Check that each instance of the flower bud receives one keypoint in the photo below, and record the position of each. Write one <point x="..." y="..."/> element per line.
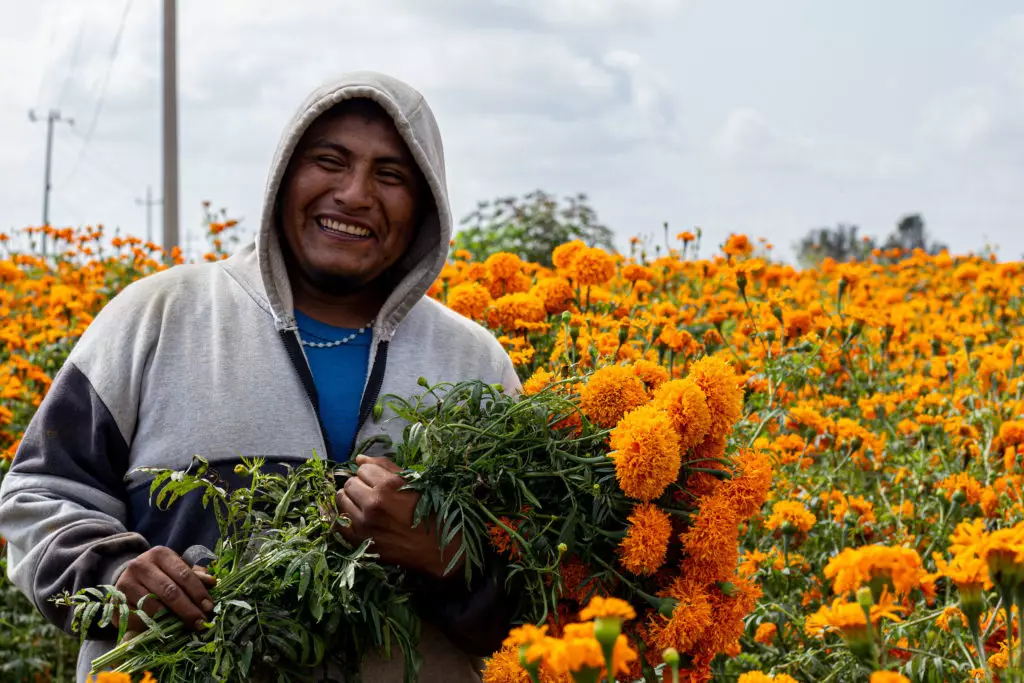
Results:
<point x="741" y="282"/>
<point x="959" y="497"/>
<point x="671" y="657"/>
<point x="864" y="598"/>
<point x="566" y="317"/>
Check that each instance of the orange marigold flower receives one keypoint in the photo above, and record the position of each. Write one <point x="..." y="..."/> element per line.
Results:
<point x="721" y="386"/>
<point x="738" y="245"/>
<point x="690" y="618"/>
<point x="603" y="608"/>
<point x="749" y="486"/>
<point x="793" y="512"/>
<point x="760" y="677"/>
<point x="538" y="381"/>
<point x="556" y="293"/>
<point x="503" y="265"/>
<point x="632" y="272"/>
<point x="592" y="266"/>
<point x="469" y="299"/>
<point x="687" y="405"/>
<point x="888" y="677"/>
<point x="650" y="373"/>
<point x="1011" y="433"/>
<point x="765" y="633"/>
<point x="646" y="543"/>
<point x="517" y="311"/>
<point x="610" y="393"/>
<point x="564" y="254"/>
<point x="899" y="568"/>
<point x="645" y="449"/>
<point x="713" y="535"/>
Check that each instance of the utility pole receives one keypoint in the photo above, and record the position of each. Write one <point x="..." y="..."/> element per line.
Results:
<point x="148" y="202"/>
<point x="170" y="127"/>
<point x="53" y="116"/>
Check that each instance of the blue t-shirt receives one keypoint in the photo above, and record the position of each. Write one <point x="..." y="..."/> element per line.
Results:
<point x="339" y="373"/>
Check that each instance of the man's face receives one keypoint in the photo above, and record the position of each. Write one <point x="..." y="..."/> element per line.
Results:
<point x="351" y="201"/>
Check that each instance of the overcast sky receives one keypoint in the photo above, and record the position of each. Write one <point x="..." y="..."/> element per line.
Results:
<point x="768" y="118"/>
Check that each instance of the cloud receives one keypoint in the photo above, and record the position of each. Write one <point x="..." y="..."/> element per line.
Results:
<point x="749" y="140"/>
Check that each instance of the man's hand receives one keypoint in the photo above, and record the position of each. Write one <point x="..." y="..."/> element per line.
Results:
<point x="379" y="510"/>
<point x="176" y="585"/>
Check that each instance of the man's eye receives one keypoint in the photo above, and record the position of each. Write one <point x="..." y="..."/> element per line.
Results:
<point x="329" y="161"/>
<point x="392" y="177"/>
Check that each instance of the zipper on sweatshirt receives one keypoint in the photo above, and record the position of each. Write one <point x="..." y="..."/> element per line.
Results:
<point x="372" y="391"/>
<point x="294" y="348"/>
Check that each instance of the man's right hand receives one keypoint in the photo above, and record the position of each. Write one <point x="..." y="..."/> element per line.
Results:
<point x="176" y="585"/>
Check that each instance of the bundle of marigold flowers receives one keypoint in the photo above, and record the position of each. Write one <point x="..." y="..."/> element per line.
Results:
<point x="615" y="482"/>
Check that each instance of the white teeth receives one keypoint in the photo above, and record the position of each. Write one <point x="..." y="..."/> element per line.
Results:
<point x="344" y="228"/>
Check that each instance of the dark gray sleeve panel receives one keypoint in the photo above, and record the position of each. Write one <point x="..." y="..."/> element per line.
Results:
<point x="63" y="503"/>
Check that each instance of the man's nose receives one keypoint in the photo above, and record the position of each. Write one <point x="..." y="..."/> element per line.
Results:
<point x="354" y="190"/>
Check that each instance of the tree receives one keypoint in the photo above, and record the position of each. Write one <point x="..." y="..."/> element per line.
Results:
<point x="910" y="234"/>
<point x="840" y="243"/>
<point x="531" y="227"/>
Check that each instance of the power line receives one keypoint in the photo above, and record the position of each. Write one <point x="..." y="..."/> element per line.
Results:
<point x="49" y="59"/>
<point x="74" y="60"/>
<point x="103" y="91"/>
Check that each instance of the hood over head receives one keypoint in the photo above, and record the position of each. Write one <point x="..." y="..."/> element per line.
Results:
<point x="423" y="261"/>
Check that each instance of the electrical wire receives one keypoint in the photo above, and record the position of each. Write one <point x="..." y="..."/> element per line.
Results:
<point x="103" y="92"/>
<point x="74" y="61"/>
<point x="49" y="59"/>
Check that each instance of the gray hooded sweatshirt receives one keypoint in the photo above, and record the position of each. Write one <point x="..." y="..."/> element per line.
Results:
<point x="206" y="359"/>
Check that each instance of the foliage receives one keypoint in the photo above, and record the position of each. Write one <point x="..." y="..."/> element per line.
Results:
<point x="291" y="594"/>
<point x="531" y="227"/>
<point x="842" y="243"/>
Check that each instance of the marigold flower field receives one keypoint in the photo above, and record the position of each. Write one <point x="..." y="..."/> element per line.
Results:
<point x="851" y="438"/>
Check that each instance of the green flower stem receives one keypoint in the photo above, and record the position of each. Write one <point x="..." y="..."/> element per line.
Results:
<point x="653" y="600"/>
<point x="979" y="644"/>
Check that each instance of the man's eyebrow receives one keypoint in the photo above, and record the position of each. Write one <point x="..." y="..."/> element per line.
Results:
<point x="345" y="151"/>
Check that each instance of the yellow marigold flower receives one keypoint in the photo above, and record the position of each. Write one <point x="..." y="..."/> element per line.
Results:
<point x="556" y="293"/>
<point x="761" y="677"/>
<point x="645" y="449"/>
<point x="601" y="607"/>
<point x="592" y="266"/>
<point x="721" y="386"/>
<point x="793" y="512"/>
<point x="539" y="380"/>
<point x="610" y="393"/>
<point x="503" y="266"/>
<point x="687" y="406"/>
<point x="516" y="311"/>
<point x="888" y="677"/>
<point x="643" y="550"/>
<point x="765" y="633"/>
<point x="469" y="299"/>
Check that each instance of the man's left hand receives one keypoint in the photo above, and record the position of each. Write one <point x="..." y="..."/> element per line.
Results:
<point x="378" y="509"/>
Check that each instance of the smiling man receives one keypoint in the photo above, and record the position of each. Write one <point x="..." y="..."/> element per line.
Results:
<point x="281" y="351"/>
